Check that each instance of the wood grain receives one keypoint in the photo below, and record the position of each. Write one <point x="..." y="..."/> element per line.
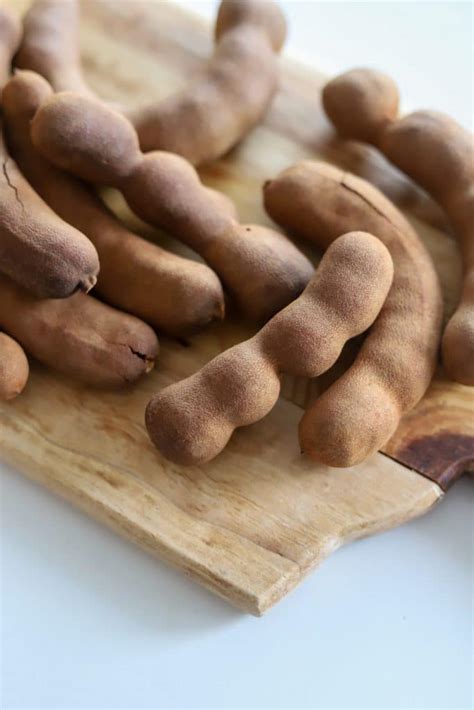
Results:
<point x="252" y="523"/>
<point x="248" y="526"/>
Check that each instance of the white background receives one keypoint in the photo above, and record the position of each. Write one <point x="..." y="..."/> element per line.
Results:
<point x="89" y="621"/>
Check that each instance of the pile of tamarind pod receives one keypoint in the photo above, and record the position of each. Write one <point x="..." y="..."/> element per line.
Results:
<point x="75" y="334"/>
<point x="438" y="154"/>
<point x="175" y="295"/>
<point x="58" y="240"/>
<point x="46" y="267"/>
<point x="261" y="269"/>
<point x="209" y="116"/>
<point x="54" y="229"/>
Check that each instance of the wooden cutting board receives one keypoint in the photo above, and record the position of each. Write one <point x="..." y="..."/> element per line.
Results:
<point x="253" y="522"/>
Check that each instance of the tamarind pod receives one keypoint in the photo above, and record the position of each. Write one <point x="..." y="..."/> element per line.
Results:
<point x="14" y="369"/>
<point x="176" y="295"/>
<point x="210" y="115"/>
<point x="457" y="346"/>
<point x="438" y="154"/>
<point x="10" y="37"/>
<point x="359" y="412"/>
<point x="262" y="270"/>
<point x="191" y="421"/>
<point x="50" y="44"/>
<point x="229" y="96"/>
<point x="37" y="249"/>
<point x="79" y="336"/>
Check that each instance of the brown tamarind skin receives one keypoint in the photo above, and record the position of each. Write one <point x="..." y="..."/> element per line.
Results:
<point x="229" y="96"/>
<point x="79" y="336"/>
<point x="38" y="249"/>
<point x="210" y="115"/>
<point x="175" y="295"/>
<point x="50" y="44"/>
<point x="10" y="37"/>
<point x="262" y="270"/>
<point x="191" y="421"/>
<point x="438" y="154"/>
<point x="14" y="369"/>
<point x="357" y="414"/>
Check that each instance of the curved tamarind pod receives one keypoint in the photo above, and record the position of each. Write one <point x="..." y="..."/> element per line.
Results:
<point x="176" y="295"/>
<point x="191" y="421"/>
<point x="210" y="115"/>
<point x="50" y="44"/>
<point x="357" y="414"/>
<point x="37" y="249"/>
<point x="438" y="154"/>
<point x="262" y="269"/>
<point x="14" y="369"/>
<point x="79" y="336"/>
<point x="229" y="96"/>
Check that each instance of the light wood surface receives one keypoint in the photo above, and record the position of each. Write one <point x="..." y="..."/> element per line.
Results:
<point x="248" y="525"/>
<point x="252" y="523"/>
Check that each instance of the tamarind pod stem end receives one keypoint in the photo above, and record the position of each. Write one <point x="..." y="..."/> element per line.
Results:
<point x="88" y="283"/>
<point x="149" y="365"/>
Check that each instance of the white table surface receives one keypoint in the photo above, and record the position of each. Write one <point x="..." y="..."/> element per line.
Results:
<point x="89" y="621"/>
